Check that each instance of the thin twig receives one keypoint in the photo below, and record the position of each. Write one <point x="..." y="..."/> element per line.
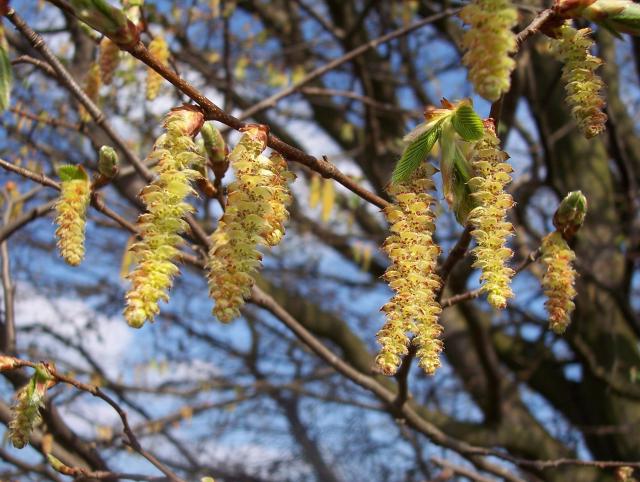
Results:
<point x="8" y="289"/>
<point x="12" y="363"/>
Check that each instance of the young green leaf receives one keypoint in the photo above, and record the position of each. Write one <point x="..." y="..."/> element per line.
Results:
<point x="70" y="173"/>
<point x="467" y="123"/>
<point x="416" y="152"/>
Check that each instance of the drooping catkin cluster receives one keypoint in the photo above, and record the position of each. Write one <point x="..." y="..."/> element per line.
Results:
<point x="71" y="208"/>
<point x="92" y="89"/>
<point x="160" y="227"/>
<point x="488" y="45"/>
<point x="582" y="84"/>
<point x="255" y="213"/>
<point x="109" y="59"/>
<point x="412" y="275"/>
<point x="26" y="410"/>
<point x="558" y="281"/>
<point x="490" y="226"/>
<point x="159" y="49"/>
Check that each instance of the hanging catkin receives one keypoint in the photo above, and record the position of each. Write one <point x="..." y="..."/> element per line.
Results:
<point x="489" y="218"/>
<point x="582" y="84"/>
<point x="488" y="45"/>
<point x="255" y="213"/>
<point x="160" y="227"/>
<point x="412" y="276"/>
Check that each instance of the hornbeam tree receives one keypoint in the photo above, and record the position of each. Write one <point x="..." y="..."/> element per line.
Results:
<point x="320" y="241"/>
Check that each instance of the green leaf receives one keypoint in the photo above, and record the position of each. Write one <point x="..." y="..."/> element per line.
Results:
<point x="6" y="74"/>
<point x="467" y="123"/>
<point x="72" y="173"/>
<point x="415" y="153"/>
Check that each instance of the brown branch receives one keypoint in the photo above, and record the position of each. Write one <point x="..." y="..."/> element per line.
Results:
<point x="8" y="289"/>
<point x="213" y="112"/>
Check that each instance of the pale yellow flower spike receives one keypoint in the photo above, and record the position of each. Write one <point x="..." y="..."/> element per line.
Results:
<point x="159" y="49"/>
<point x="255" y="213"/>
<point x="71" y="207"/>
<point x="582" y="84"/>
<point x="161" y="225"/>
<point x="488" y="218"/>
<point x="412" y="275"/>
<point x="558" y="282"/>
<point x="92" y="89"/>
<point x="488" y="44"/>
<point x="109" y="59"/>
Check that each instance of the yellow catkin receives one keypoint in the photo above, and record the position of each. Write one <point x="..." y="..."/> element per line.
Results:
<point x="92" y="89"/>
<point x="412" y="276"/>
<point x="71" y="219"/>
<point x="159" y="49"/>
<point x="255" y="213"/>
<point x="582" y="84"/>
<point x="489" y="218"/>
<point x="160" y="227"/>
<point x="109" y="59"/>
<point x="279" y="200"/>
<point x="558" y="281"/>
<point x="488" y="45"/>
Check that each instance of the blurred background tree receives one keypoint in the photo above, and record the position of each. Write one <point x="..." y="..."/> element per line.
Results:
<point x="289" y="391"/>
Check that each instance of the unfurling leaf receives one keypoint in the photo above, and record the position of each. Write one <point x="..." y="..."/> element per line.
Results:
<point x="467" y="123"/>
<point x="617" y="16"/>
<point x="415" y="153"/>
<point x="103" y="17"/>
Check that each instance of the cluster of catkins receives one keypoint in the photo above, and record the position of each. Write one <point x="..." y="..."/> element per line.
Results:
<point x="489" y="217"/>
<point x="488" y="45"/>
<point x="160" y="227"/>
<point x="413" y="253"/>
<point x="255" y="213"/>
<point x="582" y="84"/>
<point x="412" y="275"/>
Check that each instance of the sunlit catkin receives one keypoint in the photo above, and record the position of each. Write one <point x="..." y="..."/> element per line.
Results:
<point x="488" y="45"/>
<point x="109" y="59"/>
<point x="558" y="281"/>
<point x="71" y="209"/>
<point x="92" y="89"/>
<point x="582" y="84"/>
<point x="159" y="49"/>
<point x="160" y="227"/>
<point x="255" y="213"/>
<point x="489" y="218"/>
<point x="412" y="276"/>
